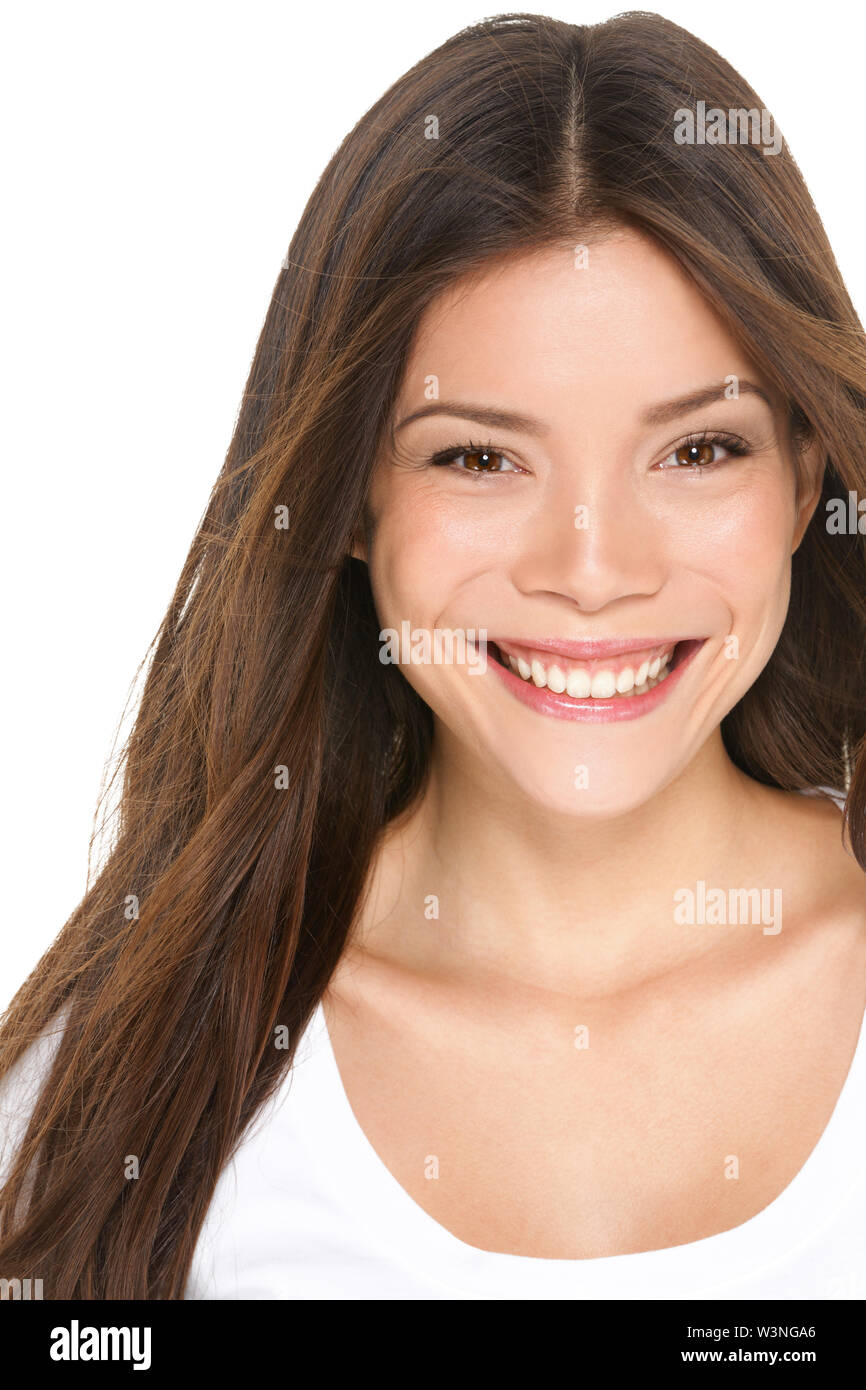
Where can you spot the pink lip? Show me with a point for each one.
(591, 648)
(596, 711)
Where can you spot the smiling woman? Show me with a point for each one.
(413, 1002)
(677, 578)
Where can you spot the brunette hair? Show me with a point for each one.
(271, 747)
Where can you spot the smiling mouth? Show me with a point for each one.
(623, 676)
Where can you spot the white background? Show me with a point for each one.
(156, 160)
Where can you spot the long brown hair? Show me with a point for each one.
(271, 747)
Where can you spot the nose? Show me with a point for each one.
(594, 551)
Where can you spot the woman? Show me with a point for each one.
(466, 931)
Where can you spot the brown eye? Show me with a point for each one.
(474, 458)
(698, 455)
(482, 461)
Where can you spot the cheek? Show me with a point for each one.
(425, 553)
(738, 551)
(431, 551)
(742, 539)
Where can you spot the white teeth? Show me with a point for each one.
(601, 685)
(578, 684)
(555, 680)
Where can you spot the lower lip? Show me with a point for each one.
(601, 711)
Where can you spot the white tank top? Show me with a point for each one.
(307, 1210)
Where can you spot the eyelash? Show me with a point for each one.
(735, 446)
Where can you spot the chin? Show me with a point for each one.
(567, 784)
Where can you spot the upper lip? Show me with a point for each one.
(592, 648)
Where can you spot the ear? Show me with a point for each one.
(359, 549)
(812, 465)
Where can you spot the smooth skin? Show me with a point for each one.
(455, 1035)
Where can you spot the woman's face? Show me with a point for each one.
(581, 537)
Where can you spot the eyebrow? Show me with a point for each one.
(658, 414)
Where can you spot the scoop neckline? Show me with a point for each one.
(414, 1238)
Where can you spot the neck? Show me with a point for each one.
(548, 899)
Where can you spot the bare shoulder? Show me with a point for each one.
(823, 882)
(814, 837)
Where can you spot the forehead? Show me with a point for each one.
(622, 323)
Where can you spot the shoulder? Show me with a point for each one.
(20, 1087)
(804, 848)
(805, 835)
